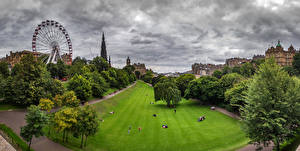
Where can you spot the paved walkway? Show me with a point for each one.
(5, 146)
(15, 119)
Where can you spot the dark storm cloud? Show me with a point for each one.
(166, 35)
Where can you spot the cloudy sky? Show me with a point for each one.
(166, 35)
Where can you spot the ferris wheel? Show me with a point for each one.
(50, 38)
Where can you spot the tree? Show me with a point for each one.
(98, 84)
(236, 95)
(290, 70)
(4, 71)
(79, 60)
(69, 99)
(87, 123)
(148, 77)
(122, 78)
(236, 69)
(65, 120)
(226, 82)
(168, 92)
(61, 69)
(52, 68)
(100, 63)
(205, 88)
(217, 73)
(226, 70)
(247, 70)
(272, 109)
(46, 104)
(81, 87)
(296, 62)
(183, 81)
(36, 120)
(111, 80)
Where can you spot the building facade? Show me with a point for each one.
(205, 69)
(281, 56)
(137, 66)
(233, 62)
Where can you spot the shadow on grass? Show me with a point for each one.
(185, 103)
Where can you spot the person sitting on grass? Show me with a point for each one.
(112, 112)
(201, 118)
(154, 115)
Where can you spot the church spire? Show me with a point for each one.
(103, 48)
(109, 61)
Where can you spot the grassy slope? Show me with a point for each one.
(132, 107)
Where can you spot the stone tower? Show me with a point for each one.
(128, 61)
(109, 62)
(103, 48)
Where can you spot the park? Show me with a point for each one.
(132, 108)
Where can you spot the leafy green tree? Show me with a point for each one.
(226, 70)
(111, 80)
(272, 109)
(69, 99)
(75, 68)
(217, 73)
(122, 78)
(61, 69)
(36, 120)
(205, 88)
(236, 95)
(148, 77)
(87, 123)
(247, 70)
(226, 82)
(65, 121)
(290, 70)
(79, 60)
(183, 81)
(52, 68)
(98, 84)
(4, 71)
(81, 86)
(296, 62)
(236, 69)
(168, 92)
(100, 63)
(46, 104)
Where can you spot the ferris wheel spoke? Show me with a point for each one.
(40, 38)
(44, 34)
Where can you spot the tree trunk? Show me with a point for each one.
(85, 140)
(64, 135)
(277, 145)
(29, 144)
(81, 140)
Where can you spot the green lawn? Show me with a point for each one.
(132, 107)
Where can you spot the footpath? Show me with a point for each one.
(15, 119)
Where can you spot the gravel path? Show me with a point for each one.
(15, 119)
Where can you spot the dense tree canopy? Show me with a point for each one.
(100, 64)
(183, 81)
(4, 71)
(272, 109)
(217, 73)
(296, 62)
(168, 92)
(81, 86)
(205, 89)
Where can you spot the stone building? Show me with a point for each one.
(138, 66)
(256, 57)
(67, 59)
(233, 62)
(15, 57)
(205, 69)
(282, 57)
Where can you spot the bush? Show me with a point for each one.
(81, 86)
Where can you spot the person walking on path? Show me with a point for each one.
(175, 111)
(129, 129)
